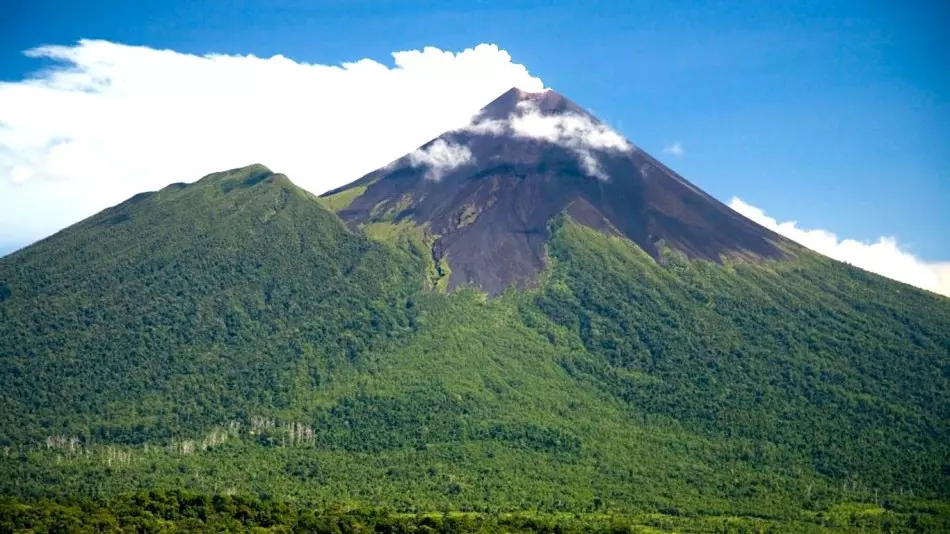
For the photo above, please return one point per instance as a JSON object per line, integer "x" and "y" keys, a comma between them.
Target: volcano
{"x": 486, "y": 193}
{"x": 659, "y": 358}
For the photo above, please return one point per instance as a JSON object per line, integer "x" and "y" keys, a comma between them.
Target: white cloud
{"x": 107, "y": 121}
{"x": 675, "y": 149}
{"x": 884, "y": 257}
{"x": 942, "y": 271}
{"x": 440, "y": 157}
{"x": 567, "y": 129}
{"x": 591, "y": 165}
{"x": 576, "y": 132}
{"x": 487, "y": 127}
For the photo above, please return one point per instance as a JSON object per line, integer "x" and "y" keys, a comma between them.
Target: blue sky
{"x": 832, "y": 114}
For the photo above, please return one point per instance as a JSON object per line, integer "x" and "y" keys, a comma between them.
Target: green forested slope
{"x": 187, "y": 307}
{"x": 844, "y": 367}
{"x": 232, "y": 336}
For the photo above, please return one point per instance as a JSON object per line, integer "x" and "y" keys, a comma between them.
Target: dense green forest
{"x": 234, "y": 337}
{"x": 176, "y": 511}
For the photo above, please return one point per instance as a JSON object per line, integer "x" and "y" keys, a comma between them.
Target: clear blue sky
{"x": 835, "y": 114}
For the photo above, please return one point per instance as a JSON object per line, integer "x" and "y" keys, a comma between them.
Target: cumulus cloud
{"x": 674, "y": 149}
{"x": 107, "y": 120}
{"x": 942, "y": 271}
{"x": 440, "y": 157}
{"x": 884, "y": 257}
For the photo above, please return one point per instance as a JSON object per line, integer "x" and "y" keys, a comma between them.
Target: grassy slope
{"x": 341, "y": 200}
{"x": 755, "y": 389}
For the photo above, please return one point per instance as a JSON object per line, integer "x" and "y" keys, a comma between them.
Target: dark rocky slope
{"x": 528, "y": 157}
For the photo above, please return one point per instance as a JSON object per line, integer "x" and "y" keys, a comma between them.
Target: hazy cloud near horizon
{"x": 884, "y": 256}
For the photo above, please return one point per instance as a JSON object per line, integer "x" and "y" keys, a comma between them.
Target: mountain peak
{"x": 242, "y": 178}
{"x": 252, "y": 171}
{"x": 516, "y": 102}
{"x": 488, "y": 193}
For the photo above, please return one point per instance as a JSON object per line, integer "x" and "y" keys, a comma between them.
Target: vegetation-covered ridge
{"x": 234, "y": 336}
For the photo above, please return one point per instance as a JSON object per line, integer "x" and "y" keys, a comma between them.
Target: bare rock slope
{"x": 487, "y": 191}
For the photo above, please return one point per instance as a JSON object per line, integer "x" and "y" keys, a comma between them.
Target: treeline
{"x": 176, "y": 511}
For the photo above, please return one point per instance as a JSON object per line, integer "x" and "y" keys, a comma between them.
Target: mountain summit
{"x": 487, "y": 192}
